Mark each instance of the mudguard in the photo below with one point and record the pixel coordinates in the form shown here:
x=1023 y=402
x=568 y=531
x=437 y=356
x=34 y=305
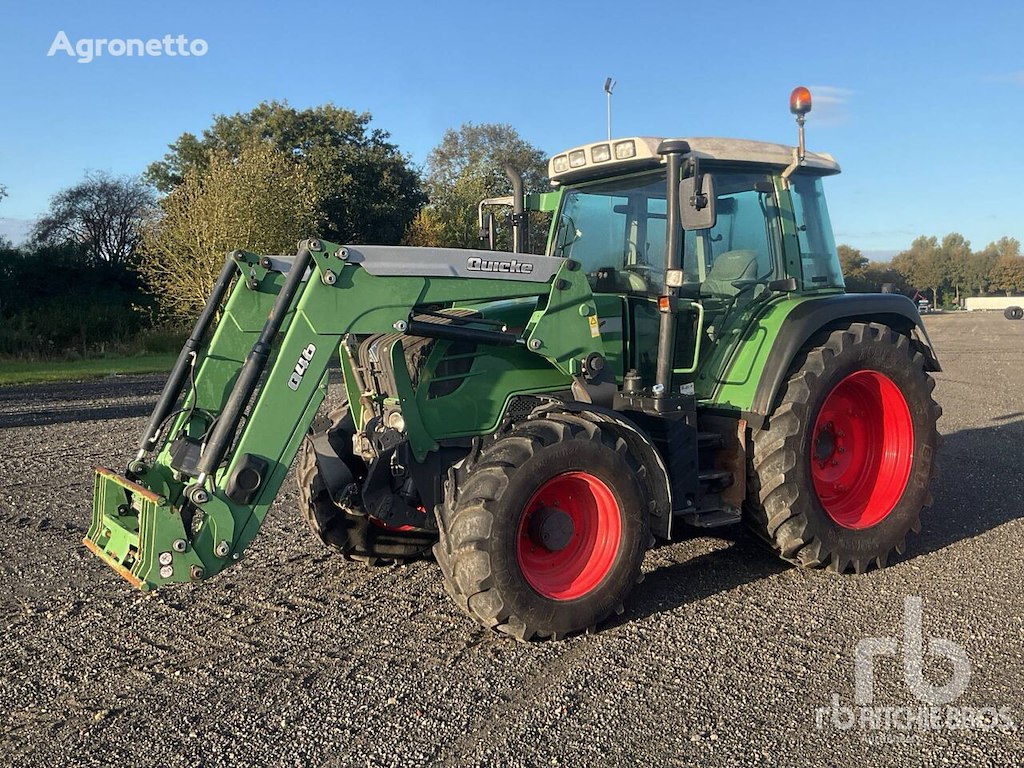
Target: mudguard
x=824 y=313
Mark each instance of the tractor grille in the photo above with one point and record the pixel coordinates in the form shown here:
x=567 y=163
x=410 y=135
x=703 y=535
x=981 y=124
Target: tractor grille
x=521 y=407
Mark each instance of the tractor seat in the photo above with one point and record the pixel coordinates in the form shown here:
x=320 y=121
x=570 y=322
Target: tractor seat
x=727 y=268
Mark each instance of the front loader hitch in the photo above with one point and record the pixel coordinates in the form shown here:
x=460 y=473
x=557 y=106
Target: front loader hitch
x=140 y=535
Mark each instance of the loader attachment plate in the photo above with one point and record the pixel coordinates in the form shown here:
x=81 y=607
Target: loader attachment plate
x=139 y=534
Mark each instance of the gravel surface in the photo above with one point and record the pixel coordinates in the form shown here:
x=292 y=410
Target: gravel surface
x=296 y=657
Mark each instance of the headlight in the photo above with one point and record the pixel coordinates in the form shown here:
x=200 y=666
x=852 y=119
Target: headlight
x=396 y=421
x=560 y=164
x=624 y=150
x=601 y=153
x=577 y=158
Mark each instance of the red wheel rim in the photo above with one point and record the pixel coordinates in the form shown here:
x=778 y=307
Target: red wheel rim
x=862 y=449
x=593 y=539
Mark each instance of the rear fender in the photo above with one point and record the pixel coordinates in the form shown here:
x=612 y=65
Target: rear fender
x=816 y=315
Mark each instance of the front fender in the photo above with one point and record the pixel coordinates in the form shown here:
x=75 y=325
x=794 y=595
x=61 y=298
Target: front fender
x=656 y=476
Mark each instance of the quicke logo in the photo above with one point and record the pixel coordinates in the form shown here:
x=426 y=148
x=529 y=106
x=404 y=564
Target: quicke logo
x=300 y=367
x=511 y=266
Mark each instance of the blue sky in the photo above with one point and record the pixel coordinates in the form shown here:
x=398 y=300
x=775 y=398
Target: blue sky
x=921 y=102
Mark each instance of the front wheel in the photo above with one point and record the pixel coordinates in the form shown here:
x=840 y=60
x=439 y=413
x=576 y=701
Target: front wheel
x=547 y=530
x=842 y=469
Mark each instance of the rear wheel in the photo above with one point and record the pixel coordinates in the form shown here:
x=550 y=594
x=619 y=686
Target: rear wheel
x=1013 y=313
x=842 y=469
x=548 y=530
x=347 y=528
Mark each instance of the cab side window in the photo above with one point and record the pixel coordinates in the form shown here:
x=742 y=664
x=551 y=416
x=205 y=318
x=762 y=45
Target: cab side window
x=741 y=248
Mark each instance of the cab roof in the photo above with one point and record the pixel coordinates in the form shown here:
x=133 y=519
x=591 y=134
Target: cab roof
x=618 y=156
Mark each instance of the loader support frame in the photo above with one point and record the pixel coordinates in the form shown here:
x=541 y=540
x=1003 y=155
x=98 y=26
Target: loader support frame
x=227 y=424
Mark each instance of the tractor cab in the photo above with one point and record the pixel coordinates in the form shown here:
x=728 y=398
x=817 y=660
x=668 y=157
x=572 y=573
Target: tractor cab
x=616 y=212
x=765 y=232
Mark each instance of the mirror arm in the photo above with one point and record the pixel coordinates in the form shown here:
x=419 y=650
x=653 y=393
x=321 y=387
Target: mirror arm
x=797 y=162
x=699 y=199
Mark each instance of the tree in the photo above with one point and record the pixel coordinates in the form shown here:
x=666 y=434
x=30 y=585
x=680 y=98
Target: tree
x=53 y=302
x=255 y=198
x=955 y=257
x=878 y=275
x=975 y=275
x=872 y=276
x=104 y=214
x=854 y=264
x=852 y=261
x=467 y=167
x=1005 y=246
x=922 y=265
x=1008 y=274
x=985 y=261
x=425 y=229
x=368 y=191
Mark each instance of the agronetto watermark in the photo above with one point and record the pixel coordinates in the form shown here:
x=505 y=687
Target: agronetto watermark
x=935 y=707
x=87 y=49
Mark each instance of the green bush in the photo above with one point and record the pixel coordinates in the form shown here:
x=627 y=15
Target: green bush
x=160 y=341
x=54 y=303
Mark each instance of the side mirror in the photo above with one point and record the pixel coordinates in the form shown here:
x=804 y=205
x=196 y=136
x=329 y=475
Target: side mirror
x=487 y=230
x=697 y=205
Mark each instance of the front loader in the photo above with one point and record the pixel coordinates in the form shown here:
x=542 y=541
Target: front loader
x=684 y=354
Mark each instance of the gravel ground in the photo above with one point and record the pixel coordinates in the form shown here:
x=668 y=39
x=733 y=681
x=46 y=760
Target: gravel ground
x=296 y=657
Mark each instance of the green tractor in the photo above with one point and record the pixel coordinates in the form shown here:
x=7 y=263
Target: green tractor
x=684 y=354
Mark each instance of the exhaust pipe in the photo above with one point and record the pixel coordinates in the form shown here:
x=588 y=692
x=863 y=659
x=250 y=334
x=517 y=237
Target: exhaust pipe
x=520 y=229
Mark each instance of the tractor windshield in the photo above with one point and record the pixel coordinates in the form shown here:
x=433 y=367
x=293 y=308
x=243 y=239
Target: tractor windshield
x=616 y=230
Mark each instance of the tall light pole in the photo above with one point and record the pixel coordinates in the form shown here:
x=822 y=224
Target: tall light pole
x=608 y=85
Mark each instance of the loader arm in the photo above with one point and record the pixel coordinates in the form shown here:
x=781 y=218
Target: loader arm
x=207 y=471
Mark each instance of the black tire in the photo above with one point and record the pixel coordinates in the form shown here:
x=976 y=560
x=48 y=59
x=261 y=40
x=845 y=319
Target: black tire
x=348 y=529
x=784 y=505
x=1013 y=313
x=489 y=532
